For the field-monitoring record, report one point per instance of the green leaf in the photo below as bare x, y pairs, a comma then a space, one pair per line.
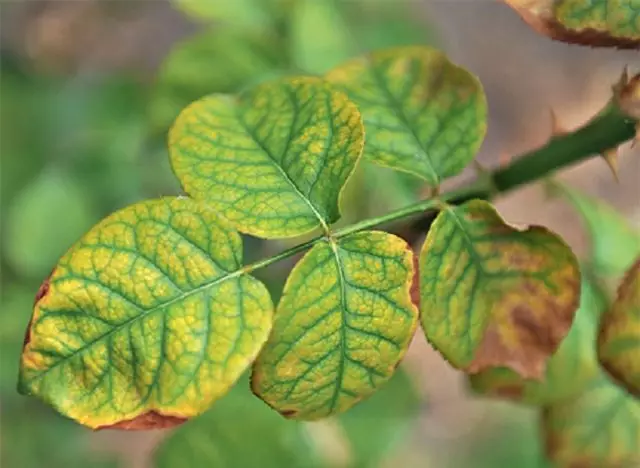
379, 425
619, 337
320, 37
44, 219
570, 368
614, 243
274, 160
342, 326
236, 12
600, 428
492, 295
146, 320
596, 23
423, 114
221, 60
239, 431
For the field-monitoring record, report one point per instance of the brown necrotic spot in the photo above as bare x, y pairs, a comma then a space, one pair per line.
288, 413
146, 421
43, 290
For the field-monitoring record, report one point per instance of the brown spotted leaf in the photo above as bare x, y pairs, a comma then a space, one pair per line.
492, 295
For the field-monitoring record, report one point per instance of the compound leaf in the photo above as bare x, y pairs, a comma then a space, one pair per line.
342, 326
599, 428
423, 114
274, 160
219, 437
492, 295
222, 60
146, 320
619, 338
597, 23
570, 368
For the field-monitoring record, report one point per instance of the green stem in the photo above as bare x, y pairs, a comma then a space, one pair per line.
607, 130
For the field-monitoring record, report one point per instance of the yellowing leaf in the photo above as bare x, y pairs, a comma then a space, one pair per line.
342, 326
423, 114
570, 368
598, 429
146, 320
492, 295
272, 161
619, 338
221, 60
597, 23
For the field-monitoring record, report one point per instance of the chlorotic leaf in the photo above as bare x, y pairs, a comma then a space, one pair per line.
378, 426
274, 160
596, 23
146, 320
614, 243
599, 428
221, 60
492, 295
619, 338
342, 326
423, 114
568, 371
219, 437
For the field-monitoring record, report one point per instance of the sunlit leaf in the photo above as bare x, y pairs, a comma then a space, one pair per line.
619, 338
597, 23
45, 217
423, 114
239, 431
569, 370
274, 160
598, 429
379, 425
146, 320
614, 243
220, 60
235, 12
492, 295
342, 326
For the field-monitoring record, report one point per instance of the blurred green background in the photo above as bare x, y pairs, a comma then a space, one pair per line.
87, 92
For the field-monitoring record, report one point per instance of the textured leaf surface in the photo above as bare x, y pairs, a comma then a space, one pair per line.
597, 23
239, 431
619, 338
274, 160
495, 296
146, 320
379, 425
598, 429
570, 368
222, 60
614, 243
423, 114
342, 326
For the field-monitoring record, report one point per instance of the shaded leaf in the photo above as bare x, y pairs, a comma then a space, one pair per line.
38, 231
423, 114
619, 338
274, 160
236, 12
342, 326
598, 429
492, 295
597, 23
221, 60
614, 243
146, 320
568, 371
220, 437
380, 424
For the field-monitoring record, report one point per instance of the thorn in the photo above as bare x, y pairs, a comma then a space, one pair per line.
622, 81
611, 158
504, 159
556, 128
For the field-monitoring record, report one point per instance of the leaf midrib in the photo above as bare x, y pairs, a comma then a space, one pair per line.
140, 316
